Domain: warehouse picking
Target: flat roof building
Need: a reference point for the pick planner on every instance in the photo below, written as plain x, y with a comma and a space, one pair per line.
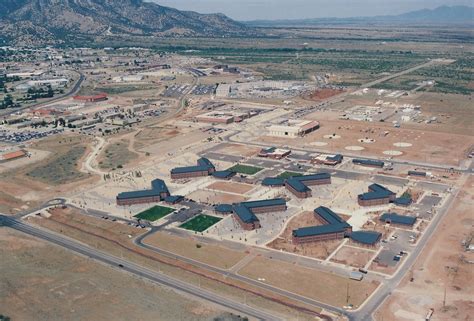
293, 128
331, 160
366, 238
368, 162
397, 219
273, 152
298, 185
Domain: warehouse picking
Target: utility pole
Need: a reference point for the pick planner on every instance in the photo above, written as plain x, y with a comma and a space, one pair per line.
347, 294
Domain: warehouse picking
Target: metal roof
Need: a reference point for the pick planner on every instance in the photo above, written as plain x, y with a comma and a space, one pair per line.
245, 214
173, 198
371, 162
263, 203
297, 185
318, 230
158, 186
223, 174
329, 216
335, 158
224, 208
203, 164
366, 237
376, 191
405, 201
312, 177
273, 181
398, 219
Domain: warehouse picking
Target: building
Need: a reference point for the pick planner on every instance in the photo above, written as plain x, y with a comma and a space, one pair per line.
293, 128
92, 99
273, 152
377, 195
223, 174
204, 167
368, 163
333, 228
244, 213
54, 83
397, 219
366, 238
158, 192
298, 185
417, 173
12, 155
331, 160
273, 182
224, 117
174, 199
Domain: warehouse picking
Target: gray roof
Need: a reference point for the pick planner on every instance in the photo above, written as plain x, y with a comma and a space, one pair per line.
263, 203
376, 191
318, 230
398, 219
273, 181
366, 237
245, 214
158, 186
370, 162
203, 164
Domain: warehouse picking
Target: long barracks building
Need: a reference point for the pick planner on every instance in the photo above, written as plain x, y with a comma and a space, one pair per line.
158, 192
333, 228
298, 185
204, 167
377, 195
244, 212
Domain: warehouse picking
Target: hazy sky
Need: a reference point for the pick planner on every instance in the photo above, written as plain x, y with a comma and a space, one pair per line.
299, 9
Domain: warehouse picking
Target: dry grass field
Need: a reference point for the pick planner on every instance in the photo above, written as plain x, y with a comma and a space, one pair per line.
209, 197
355, 257
230, 187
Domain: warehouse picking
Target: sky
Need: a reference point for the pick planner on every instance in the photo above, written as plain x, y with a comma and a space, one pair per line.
300, 9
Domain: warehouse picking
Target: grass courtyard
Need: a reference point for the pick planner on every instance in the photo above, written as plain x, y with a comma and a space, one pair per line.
200, 223
245, 169
155, 213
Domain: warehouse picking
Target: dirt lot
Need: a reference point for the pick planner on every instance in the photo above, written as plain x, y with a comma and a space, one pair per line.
441, 267
321, 286
236, 188
39, 281
427, 146
215, 197
210, 254
112, 237
355, 257
324, 93
238, 150
116, 154
28, 186
320, 250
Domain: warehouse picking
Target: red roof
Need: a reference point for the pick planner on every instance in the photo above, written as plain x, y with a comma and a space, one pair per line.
94, 97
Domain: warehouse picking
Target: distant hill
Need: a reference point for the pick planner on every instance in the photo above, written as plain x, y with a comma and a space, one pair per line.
33, 21
440, 15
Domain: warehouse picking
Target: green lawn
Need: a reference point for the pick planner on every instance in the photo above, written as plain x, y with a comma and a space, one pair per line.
155, 213
286, 175
200, 223
245, 169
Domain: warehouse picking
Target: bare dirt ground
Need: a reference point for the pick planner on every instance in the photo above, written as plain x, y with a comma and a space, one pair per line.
236, 188
215, 197
214, 255
319, 250
238, 150
318, 285
324, 93
113, 238
117, 154
441, 268
356, 257
28, 186
39, 281
427, 146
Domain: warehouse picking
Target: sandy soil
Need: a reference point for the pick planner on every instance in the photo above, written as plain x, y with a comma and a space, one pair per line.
215, 197
238, 150
230, 187
320, 250
355, 257
210, 254
426, 146
441, 267
324, 93
39, 281
308, 282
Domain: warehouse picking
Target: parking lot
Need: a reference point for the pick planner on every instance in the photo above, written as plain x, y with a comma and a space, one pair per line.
425, 206
204, 90
23, 136
175, 91
393, 246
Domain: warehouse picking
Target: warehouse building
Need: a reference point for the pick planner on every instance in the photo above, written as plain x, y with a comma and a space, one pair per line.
204, 167
333, 228
293, 128
397, 219
331, 160
273, 152
158, 192
377, 195
368, 163
298, 185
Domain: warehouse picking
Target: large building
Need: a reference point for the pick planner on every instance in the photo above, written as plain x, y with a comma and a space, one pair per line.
273, 152
225, 117
158, 192
92, 99
293, 128
298, 185
368, 163
377, 195
397, 219
331, 160
332, 227
244, 213
204, 167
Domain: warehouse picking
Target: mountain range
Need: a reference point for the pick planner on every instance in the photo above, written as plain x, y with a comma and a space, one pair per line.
25, 21
441, 15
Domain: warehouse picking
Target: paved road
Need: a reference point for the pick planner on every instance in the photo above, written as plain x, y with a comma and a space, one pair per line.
135, 269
